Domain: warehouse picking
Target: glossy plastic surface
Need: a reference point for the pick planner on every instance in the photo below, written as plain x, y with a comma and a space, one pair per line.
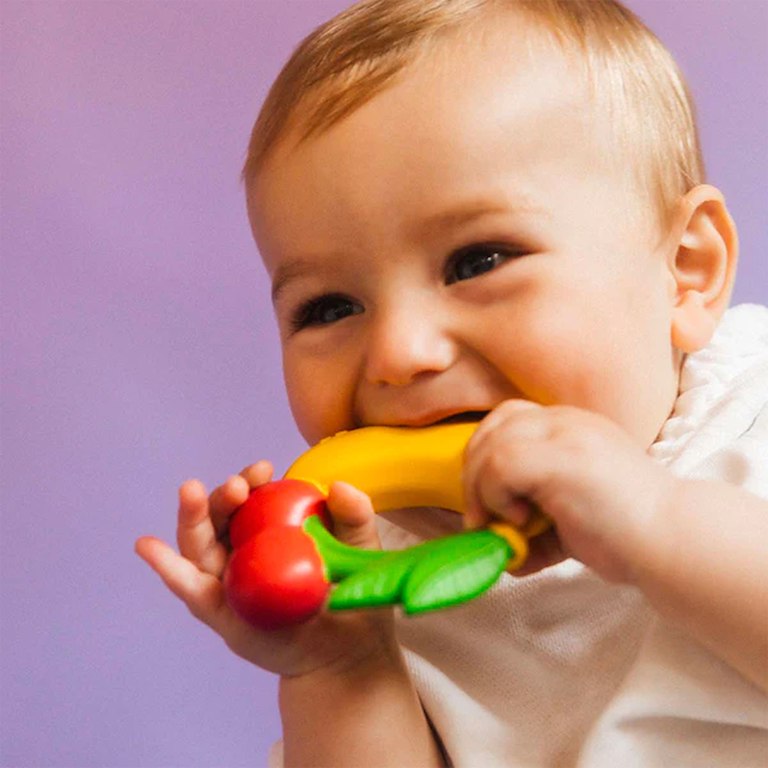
276, 579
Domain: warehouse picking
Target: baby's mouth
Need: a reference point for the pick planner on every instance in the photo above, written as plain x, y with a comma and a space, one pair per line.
465, 417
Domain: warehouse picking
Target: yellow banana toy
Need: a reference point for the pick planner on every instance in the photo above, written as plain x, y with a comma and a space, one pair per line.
403, 467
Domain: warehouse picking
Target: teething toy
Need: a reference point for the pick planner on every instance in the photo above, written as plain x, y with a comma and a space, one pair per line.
285, 559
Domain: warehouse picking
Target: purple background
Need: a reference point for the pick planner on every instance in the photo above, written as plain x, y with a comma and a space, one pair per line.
139, 349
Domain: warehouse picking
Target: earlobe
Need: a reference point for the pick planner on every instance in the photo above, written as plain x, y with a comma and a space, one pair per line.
703, 266
692, 323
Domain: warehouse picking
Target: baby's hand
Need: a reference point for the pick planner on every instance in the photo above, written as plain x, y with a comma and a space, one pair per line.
605, 496
195, 576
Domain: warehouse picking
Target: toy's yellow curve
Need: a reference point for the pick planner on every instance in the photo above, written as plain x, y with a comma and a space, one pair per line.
400, 467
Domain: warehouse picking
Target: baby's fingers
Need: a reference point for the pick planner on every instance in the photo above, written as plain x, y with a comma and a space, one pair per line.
225, 499
257, 474
354, 520
195, 533
202, 593
231, 494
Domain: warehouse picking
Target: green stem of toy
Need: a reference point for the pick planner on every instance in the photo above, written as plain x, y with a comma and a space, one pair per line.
340, 560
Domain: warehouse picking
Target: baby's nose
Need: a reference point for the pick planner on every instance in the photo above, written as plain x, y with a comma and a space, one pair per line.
407, 343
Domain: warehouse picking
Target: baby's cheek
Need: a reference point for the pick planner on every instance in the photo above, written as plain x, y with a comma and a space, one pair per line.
317, 401
307, 410
552, 352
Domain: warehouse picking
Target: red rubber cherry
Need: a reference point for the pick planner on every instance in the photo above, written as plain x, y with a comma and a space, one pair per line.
276, 579
276, 504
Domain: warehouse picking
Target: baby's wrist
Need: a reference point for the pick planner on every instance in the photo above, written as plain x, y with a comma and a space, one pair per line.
341, 681
657, 543
381, 657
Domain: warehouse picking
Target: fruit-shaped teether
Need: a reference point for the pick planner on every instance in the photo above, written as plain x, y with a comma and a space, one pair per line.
285, 559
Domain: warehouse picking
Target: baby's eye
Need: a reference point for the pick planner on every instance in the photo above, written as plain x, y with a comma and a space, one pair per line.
324, 310
475, 260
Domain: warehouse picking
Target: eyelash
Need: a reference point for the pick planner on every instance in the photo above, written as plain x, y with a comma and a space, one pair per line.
499, 254
309, 313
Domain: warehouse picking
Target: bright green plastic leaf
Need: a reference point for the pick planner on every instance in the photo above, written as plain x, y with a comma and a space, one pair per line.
462, 569
434, 574
378, 584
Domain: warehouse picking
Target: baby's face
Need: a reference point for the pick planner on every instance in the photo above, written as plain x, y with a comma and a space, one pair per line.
464, 238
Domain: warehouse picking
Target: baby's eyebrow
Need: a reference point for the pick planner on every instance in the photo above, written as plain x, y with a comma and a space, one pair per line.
469, 210
287, 272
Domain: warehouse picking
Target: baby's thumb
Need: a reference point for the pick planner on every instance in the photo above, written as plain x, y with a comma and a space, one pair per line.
354, 520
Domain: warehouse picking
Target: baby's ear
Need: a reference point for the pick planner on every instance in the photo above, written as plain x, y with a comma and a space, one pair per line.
703, 266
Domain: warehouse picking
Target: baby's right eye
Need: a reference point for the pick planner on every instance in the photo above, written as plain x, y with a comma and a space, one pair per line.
324, 310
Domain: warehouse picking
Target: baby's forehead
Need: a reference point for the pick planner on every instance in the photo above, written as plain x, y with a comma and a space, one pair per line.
489, 49
442, 101
446, 70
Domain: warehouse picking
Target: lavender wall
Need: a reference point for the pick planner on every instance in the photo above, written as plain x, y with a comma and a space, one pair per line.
138, 346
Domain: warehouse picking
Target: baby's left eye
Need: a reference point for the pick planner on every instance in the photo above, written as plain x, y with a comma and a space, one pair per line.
475, 260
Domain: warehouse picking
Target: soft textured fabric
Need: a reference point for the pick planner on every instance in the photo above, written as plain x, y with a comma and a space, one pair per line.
563, 669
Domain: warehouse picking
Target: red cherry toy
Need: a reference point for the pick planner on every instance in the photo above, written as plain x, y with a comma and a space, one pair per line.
276, 579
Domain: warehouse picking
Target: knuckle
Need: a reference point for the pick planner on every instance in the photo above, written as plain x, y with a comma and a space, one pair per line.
498, 463
202, 607
509, 447
515, 405
579, 438
495, 470
507, 411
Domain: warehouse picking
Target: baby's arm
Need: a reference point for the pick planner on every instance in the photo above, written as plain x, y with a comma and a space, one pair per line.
696, 549
708, 571
346, 697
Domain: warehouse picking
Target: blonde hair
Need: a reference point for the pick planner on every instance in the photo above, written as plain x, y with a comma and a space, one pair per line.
348, 60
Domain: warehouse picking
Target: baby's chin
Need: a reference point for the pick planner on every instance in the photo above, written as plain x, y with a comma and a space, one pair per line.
425, 522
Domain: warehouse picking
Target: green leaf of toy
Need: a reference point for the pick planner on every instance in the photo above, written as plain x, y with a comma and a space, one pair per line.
431, 575
464, 567
378, 584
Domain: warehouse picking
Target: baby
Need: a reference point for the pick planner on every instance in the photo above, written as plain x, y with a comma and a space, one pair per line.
498, 206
